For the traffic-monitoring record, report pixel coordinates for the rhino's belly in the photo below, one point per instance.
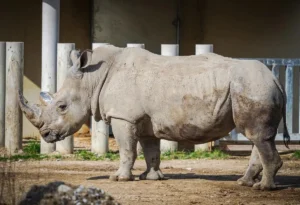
(194, 125)
(192, 132)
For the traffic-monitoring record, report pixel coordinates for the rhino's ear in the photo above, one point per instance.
(85, 58)
(74, 55)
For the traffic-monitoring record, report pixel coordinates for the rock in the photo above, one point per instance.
(63, 188)
(61, 193)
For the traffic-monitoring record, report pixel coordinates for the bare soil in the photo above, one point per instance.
(188, 181)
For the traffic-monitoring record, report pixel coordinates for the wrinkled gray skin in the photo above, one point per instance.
(148, 97)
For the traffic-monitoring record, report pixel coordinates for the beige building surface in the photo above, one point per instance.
(236, 28)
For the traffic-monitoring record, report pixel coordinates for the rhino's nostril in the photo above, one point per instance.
(46, 134)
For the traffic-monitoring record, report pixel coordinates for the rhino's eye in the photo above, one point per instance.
(62, 108)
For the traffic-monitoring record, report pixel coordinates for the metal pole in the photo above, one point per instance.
(14, 82)
(169, 50)
(50, 38)
(2, 92)
(63, 64)
(202, 49)
(100, 130)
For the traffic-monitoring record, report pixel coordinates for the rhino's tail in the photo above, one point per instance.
(286, 135)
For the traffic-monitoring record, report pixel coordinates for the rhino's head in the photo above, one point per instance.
(64, 112)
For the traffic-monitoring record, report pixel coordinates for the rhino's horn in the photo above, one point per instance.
(31, 111)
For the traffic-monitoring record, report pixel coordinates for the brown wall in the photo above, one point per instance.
(253, 28)
(120, 22)
(237, 28)
(21, 21)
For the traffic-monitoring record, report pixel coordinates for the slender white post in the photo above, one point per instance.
(63, 64)
(2, 92)
(100, 130)
(169, 50)
(202, 49)
(50, 38)
(137, 45)
(14, 82)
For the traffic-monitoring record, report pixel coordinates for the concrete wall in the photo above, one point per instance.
(236, 28)
(21, 21)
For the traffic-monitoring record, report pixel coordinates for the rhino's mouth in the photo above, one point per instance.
(51, 137)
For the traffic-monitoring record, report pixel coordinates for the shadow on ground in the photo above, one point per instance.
(282, 181)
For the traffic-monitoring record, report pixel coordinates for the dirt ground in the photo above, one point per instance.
(188, 181)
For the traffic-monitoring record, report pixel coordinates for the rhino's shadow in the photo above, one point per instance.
(282, 181)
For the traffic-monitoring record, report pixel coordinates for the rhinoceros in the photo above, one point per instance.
(148, 97)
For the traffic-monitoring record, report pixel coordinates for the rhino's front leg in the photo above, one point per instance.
(151, 148)
(124, 135)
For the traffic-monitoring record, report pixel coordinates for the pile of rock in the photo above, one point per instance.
(66, 194)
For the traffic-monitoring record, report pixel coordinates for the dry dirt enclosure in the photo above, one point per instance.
(189, 181)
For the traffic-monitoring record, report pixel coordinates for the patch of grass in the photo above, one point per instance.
(88, 155)
(24, 157)
(215, 154)
(296, 154)
(31, 152)
(33, 147)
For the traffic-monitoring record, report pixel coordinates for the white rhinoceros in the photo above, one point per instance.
(148, 97)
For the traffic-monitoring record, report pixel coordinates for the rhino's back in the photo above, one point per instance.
(187, 98)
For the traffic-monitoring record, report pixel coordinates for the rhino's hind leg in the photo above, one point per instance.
(271, 163)
(124, 135)
(253, 170)
(151, 148)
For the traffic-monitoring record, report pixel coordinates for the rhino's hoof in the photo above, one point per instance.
(246, 182)
(264, 186)
(121, 178)
(152, 175)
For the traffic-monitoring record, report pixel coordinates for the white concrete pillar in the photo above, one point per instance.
(14, 82)
(100, 130)
(2, 92)
(169, 50)
(65, 146)
(50, 38)
(202, 49)
(139, 148)
(137, 45)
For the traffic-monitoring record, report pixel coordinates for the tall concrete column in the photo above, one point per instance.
(137, 45)
(100, 130)
(50, 38)
(14, 82)
(202, 49)
(169, 50)
(65, 146)
(2, 92)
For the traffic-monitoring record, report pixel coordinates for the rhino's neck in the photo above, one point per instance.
(94, 78)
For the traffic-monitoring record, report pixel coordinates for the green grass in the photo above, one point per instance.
(215, 154)
(31, 151)
(296, 154)
(33, 147)
(87, 155)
